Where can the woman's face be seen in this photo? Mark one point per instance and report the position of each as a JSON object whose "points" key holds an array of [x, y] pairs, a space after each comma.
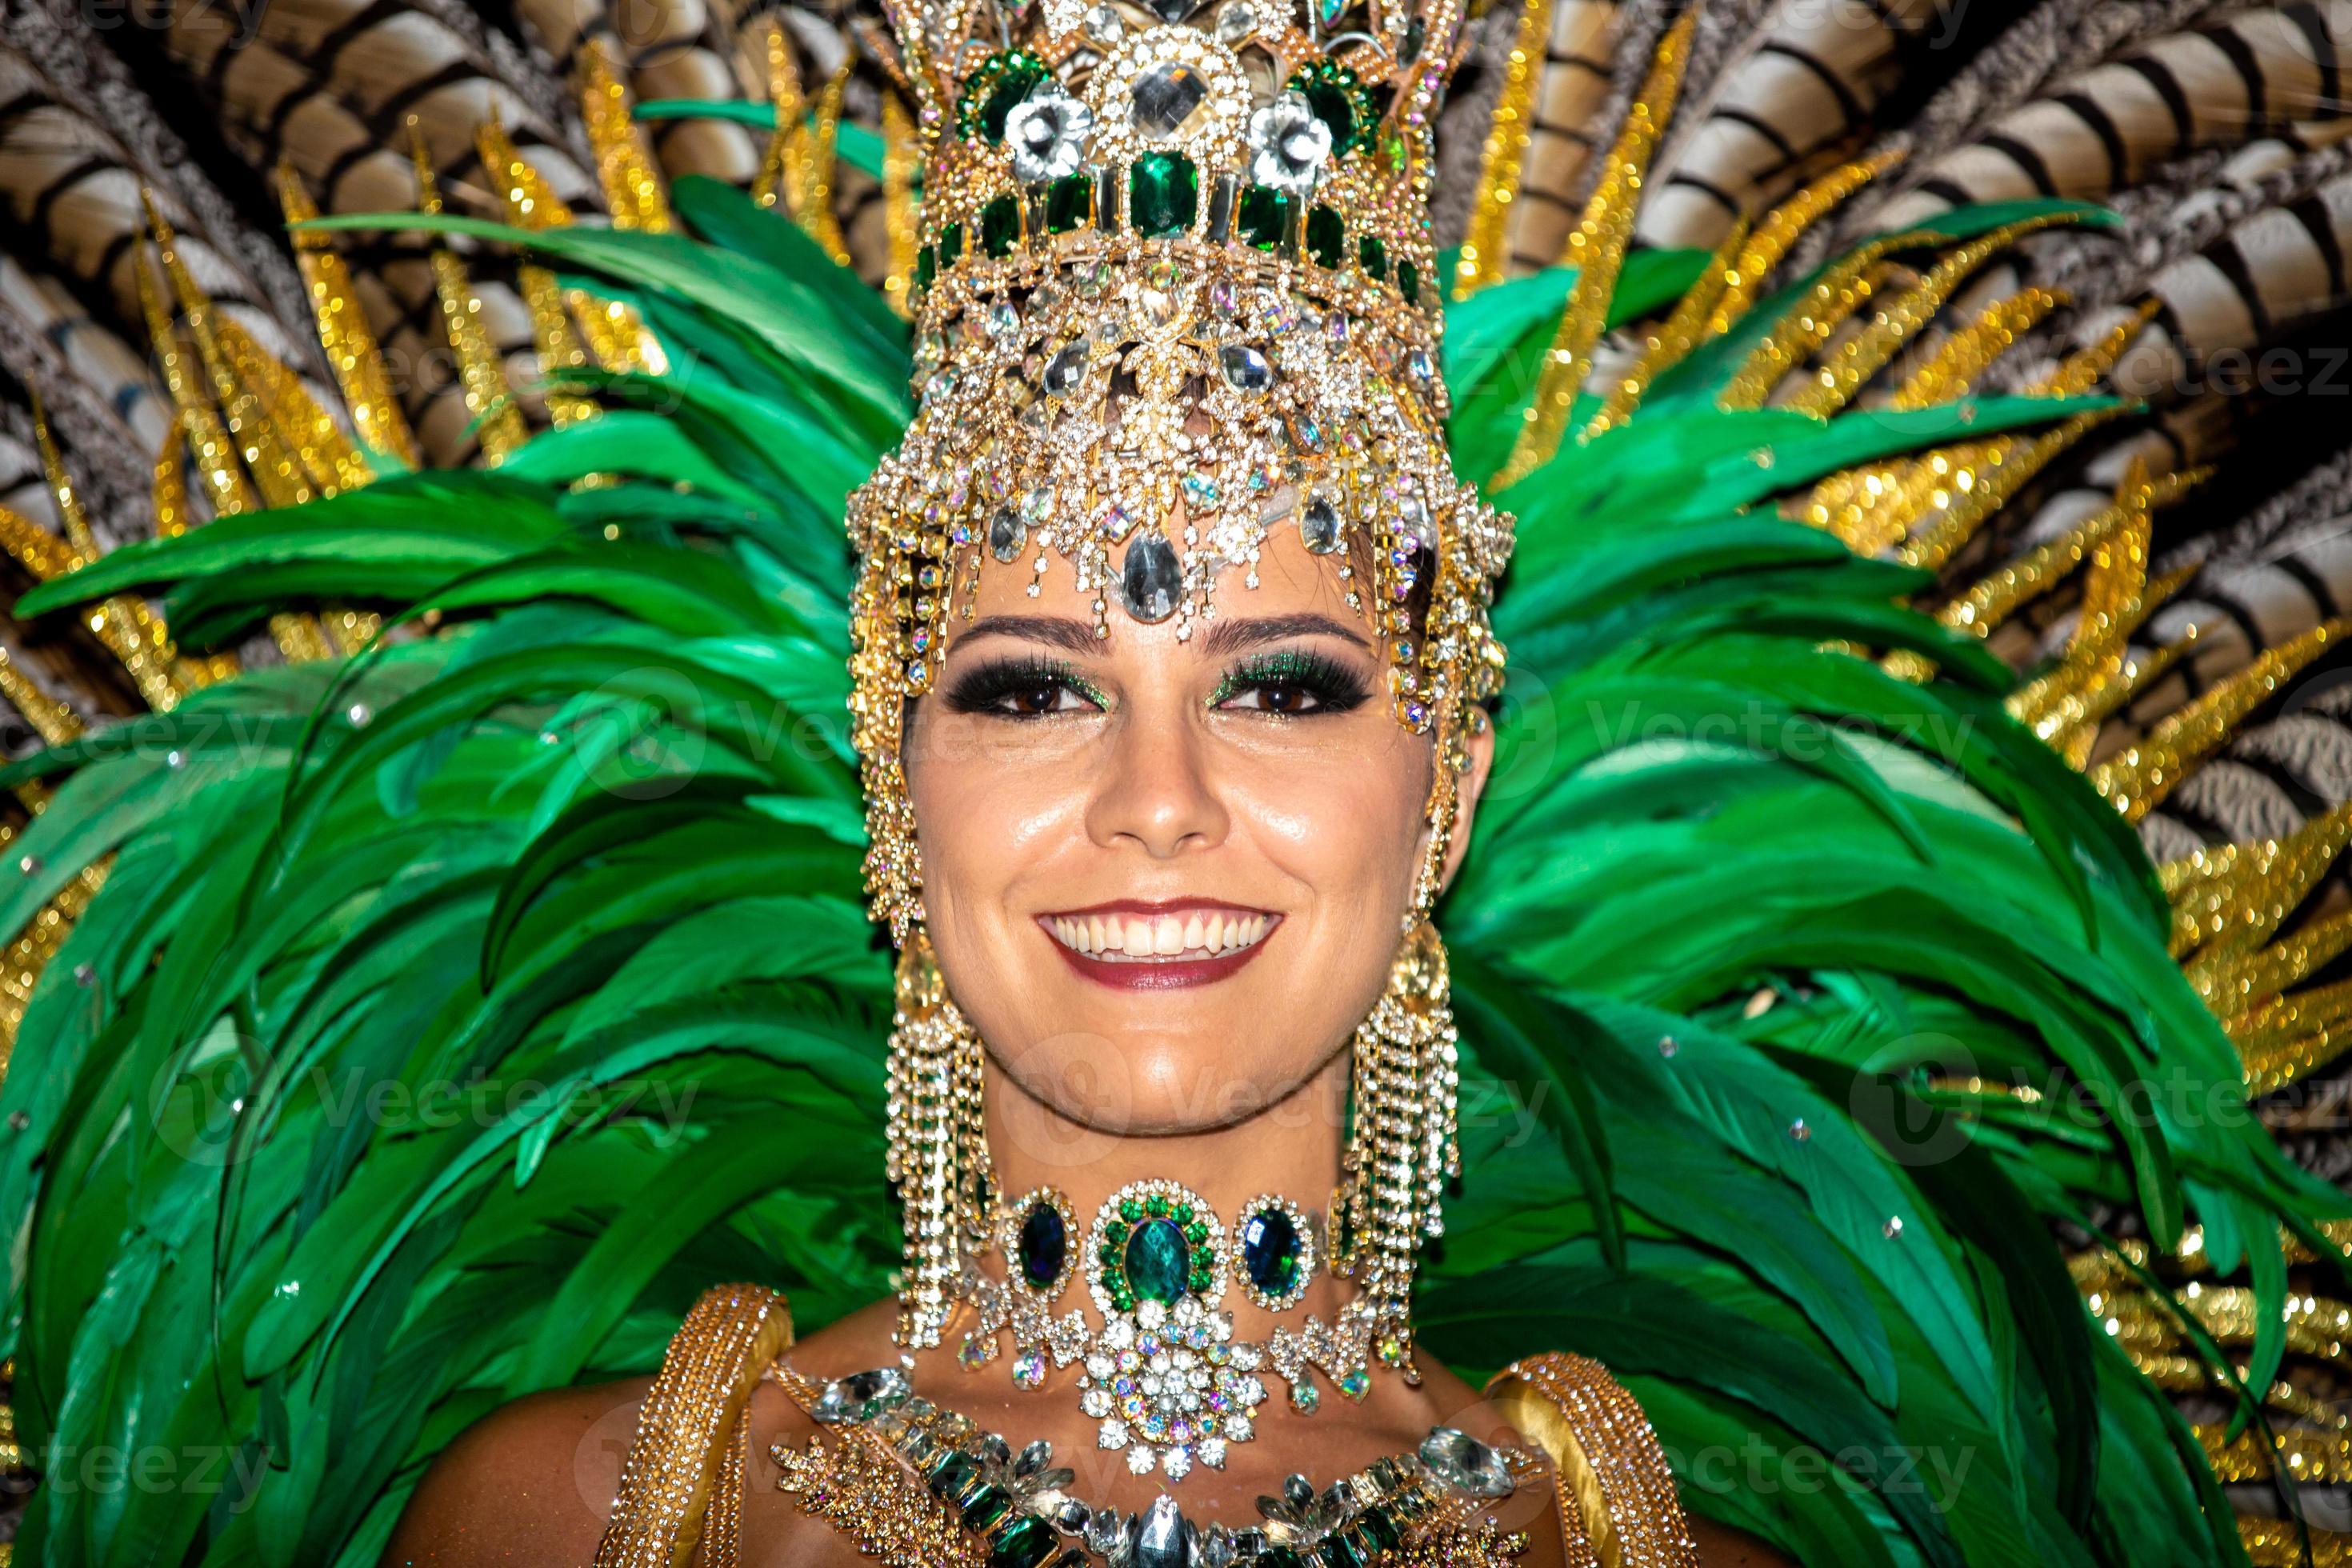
{"points": [[1165, 878]]}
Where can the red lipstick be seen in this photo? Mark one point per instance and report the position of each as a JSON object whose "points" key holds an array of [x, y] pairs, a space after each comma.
{"points": [[1139, 945]]}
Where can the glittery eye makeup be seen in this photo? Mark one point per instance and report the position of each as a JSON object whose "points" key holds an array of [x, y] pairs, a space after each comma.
{"points": [[1023, 689], [1290, 683]]}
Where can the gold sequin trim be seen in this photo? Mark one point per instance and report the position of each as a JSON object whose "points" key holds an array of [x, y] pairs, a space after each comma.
{"points": [[691, 1422], [1608, 1461]]}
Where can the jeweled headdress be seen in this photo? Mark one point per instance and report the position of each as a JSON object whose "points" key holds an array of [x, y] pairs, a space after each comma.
{"points": [[1175, 288]]}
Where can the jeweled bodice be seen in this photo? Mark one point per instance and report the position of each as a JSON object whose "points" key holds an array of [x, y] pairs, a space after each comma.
{"points": [[914, 1486]]}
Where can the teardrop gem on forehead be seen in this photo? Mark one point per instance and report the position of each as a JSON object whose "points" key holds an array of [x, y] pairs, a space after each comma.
{"points": [[1149, 580], [1006, 533]]}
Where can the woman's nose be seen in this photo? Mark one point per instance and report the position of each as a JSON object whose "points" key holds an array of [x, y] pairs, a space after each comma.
{"points": [[1155, 790]]}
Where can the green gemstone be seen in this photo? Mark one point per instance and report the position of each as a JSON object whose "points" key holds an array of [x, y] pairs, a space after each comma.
{"points": [[986, 1506], [1263, 215], [950, 243], [1163, 195], [1115, 1231], [1339, 1551], [1156, 1205], [927, 267], [951, 1471], [1157, 1261], [1340, 100], [1409, 282], [1069, 204], [1000, 225], [1183, 1214], [999, 82], [1027, 1543], [1270, 1251], [1280, 1557], [1372, 255], [1378, 1529], [1129, 1210], [1325, 237], [1196, 1233]]}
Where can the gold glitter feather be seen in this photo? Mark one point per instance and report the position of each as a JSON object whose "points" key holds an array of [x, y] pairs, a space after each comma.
{"points": [[1597, 250], [488, 399], [2137, 781], [1972, 348], [1503, 160], [129, 630], [901, 156], [343, 332], [634, 192]]}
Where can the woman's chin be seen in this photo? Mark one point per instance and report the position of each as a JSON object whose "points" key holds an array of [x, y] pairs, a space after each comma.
{"points": [[1158, 1081]]}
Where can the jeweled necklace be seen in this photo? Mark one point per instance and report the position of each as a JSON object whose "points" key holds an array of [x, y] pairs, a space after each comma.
{"points": [[1018, 1511], [1163, 1373]]}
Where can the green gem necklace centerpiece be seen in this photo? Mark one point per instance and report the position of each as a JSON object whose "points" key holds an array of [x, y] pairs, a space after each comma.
{"points": [[1164, 1373], [1155, 1241]]}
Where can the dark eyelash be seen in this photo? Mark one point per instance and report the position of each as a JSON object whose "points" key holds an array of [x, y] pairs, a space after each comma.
{"points": [[984, 688], [1336, 687]]}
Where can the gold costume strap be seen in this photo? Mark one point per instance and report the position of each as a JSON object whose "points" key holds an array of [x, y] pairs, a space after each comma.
{"points": [[682, 1474], [1625, 1513]]}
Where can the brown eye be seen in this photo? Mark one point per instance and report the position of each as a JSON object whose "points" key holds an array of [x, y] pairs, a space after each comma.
{"points": [[1278, 697], [1034, 701]]}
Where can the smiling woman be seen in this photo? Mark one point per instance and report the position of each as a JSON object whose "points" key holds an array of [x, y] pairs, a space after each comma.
{"points": [[990, 795]]}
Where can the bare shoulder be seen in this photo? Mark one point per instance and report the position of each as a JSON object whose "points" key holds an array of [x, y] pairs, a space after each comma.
{"points": [[1720, 1546], [530, 1483]]}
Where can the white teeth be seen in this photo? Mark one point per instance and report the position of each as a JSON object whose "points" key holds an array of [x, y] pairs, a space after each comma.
{"points": [[1159, 936]]}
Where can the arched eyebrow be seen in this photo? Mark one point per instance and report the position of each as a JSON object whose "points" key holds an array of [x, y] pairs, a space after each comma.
{"points": [[1064, 632], [1227, 634], [1232, 634]]}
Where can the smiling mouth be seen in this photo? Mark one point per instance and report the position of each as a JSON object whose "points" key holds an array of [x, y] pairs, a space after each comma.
{"points": [[1138, 946]]}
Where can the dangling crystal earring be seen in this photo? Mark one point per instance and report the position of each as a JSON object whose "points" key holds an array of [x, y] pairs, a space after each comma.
{"points": [[937, 1143], [1403, 1148]]}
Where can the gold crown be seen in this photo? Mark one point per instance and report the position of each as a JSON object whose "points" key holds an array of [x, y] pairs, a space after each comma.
{"points": [[1175, 288]]}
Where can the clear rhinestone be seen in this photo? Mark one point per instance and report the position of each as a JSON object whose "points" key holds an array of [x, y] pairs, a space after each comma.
{"points": [[1464, 1463], [1139, 1460], [1320, 522], [1003, 319], [1104, 1534], [1006, 533], [1112, 1436], [1177, 1463], [862, 1396], [1105, 24], [1236, 22], [1150, 582], [1163, 99], [1065, 369], [1173, 11], [1163, 1537], [1244, 368]]}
